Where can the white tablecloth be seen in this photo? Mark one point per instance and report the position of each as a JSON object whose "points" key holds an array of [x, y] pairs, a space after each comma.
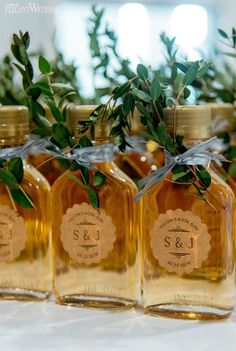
{"points": [[35, 326]]}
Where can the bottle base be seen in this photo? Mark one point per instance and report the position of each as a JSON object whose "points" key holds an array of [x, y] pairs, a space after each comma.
{"points": [[23, 294], [95, 301], [188, 312]]}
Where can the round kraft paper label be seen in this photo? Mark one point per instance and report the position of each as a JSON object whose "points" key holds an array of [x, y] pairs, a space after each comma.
{"points": [[13, 234], [180, 241], [87, 234]]}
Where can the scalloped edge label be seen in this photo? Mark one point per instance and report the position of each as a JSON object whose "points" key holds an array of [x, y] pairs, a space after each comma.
{"points": [[87, 234], [180, 241]]}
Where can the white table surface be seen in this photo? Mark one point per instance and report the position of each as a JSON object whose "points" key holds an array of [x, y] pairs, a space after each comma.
{"points": [[47, 326]]}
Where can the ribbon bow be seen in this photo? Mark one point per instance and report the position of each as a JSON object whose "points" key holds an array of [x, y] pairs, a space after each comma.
{"points": [[85, 156], [198, 154]]}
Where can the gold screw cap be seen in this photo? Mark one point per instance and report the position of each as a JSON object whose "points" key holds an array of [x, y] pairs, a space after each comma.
{"points": [[14, 121], [191, 121]]}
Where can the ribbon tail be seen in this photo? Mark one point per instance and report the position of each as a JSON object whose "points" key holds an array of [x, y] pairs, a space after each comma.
{"points": [[152, 179]]}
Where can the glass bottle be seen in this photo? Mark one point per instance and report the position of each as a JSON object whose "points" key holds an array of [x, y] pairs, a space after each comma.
{"points": [[95, 250], [143, 156], [188, 267], [25, 261]]}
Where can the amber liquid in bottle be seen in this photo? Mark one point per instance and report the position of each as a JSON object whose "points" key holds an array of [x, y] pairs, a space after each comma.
{"points": [[188, 268], [49, 167], [95, 250], [25, 235]]}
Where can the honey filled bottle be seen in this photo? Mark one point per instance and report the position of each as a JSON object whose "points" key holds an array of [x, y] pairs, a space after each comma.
{"points": [[188, 268], [95, 249], [143, 156], [25, 261]]}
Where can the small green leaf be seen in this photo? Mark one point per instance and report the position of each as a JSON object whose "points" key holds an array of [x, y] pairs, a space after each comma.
{"points": [[16, 52], [64, 97], [128, 103], [93, 197], [23, 54], [204, 69], [204, 175], [191, 73], [118, 140], [174, 73], [55, 111], [120, 91], [223, 33], [26, 39], [142, 109], [85, 173], [41, 132], [15, 166], [141, 95], [44, 87], [178, 176], [142, 72], [170, 102], [20, 198], [34, 92], [234, 36], [187, 92], [77, 180], [99, 179], [8, 178], [74, 166], [182, 67], [155, 89], [162, 133], [43, 122], [85, 141], [44, 65], [30, 70], [60, 134]]}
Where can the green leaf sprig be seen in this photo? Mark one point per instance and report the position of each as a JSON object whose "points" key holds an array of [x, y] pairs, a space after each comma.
{"points": [[43, 92], [147, 94]]}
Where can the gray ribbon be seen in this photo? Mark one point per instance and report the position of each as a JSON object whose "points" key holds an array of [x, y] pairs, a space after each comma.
{"points": [[137, 143], [197, 155], [84, 156], [18, 151]]}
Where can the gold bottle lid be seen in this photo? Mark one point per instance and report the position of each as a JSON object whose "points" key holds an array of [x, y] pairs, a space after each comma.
{"points": [[14, 122], [191, 121], [223, 112], [78, 113]]}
